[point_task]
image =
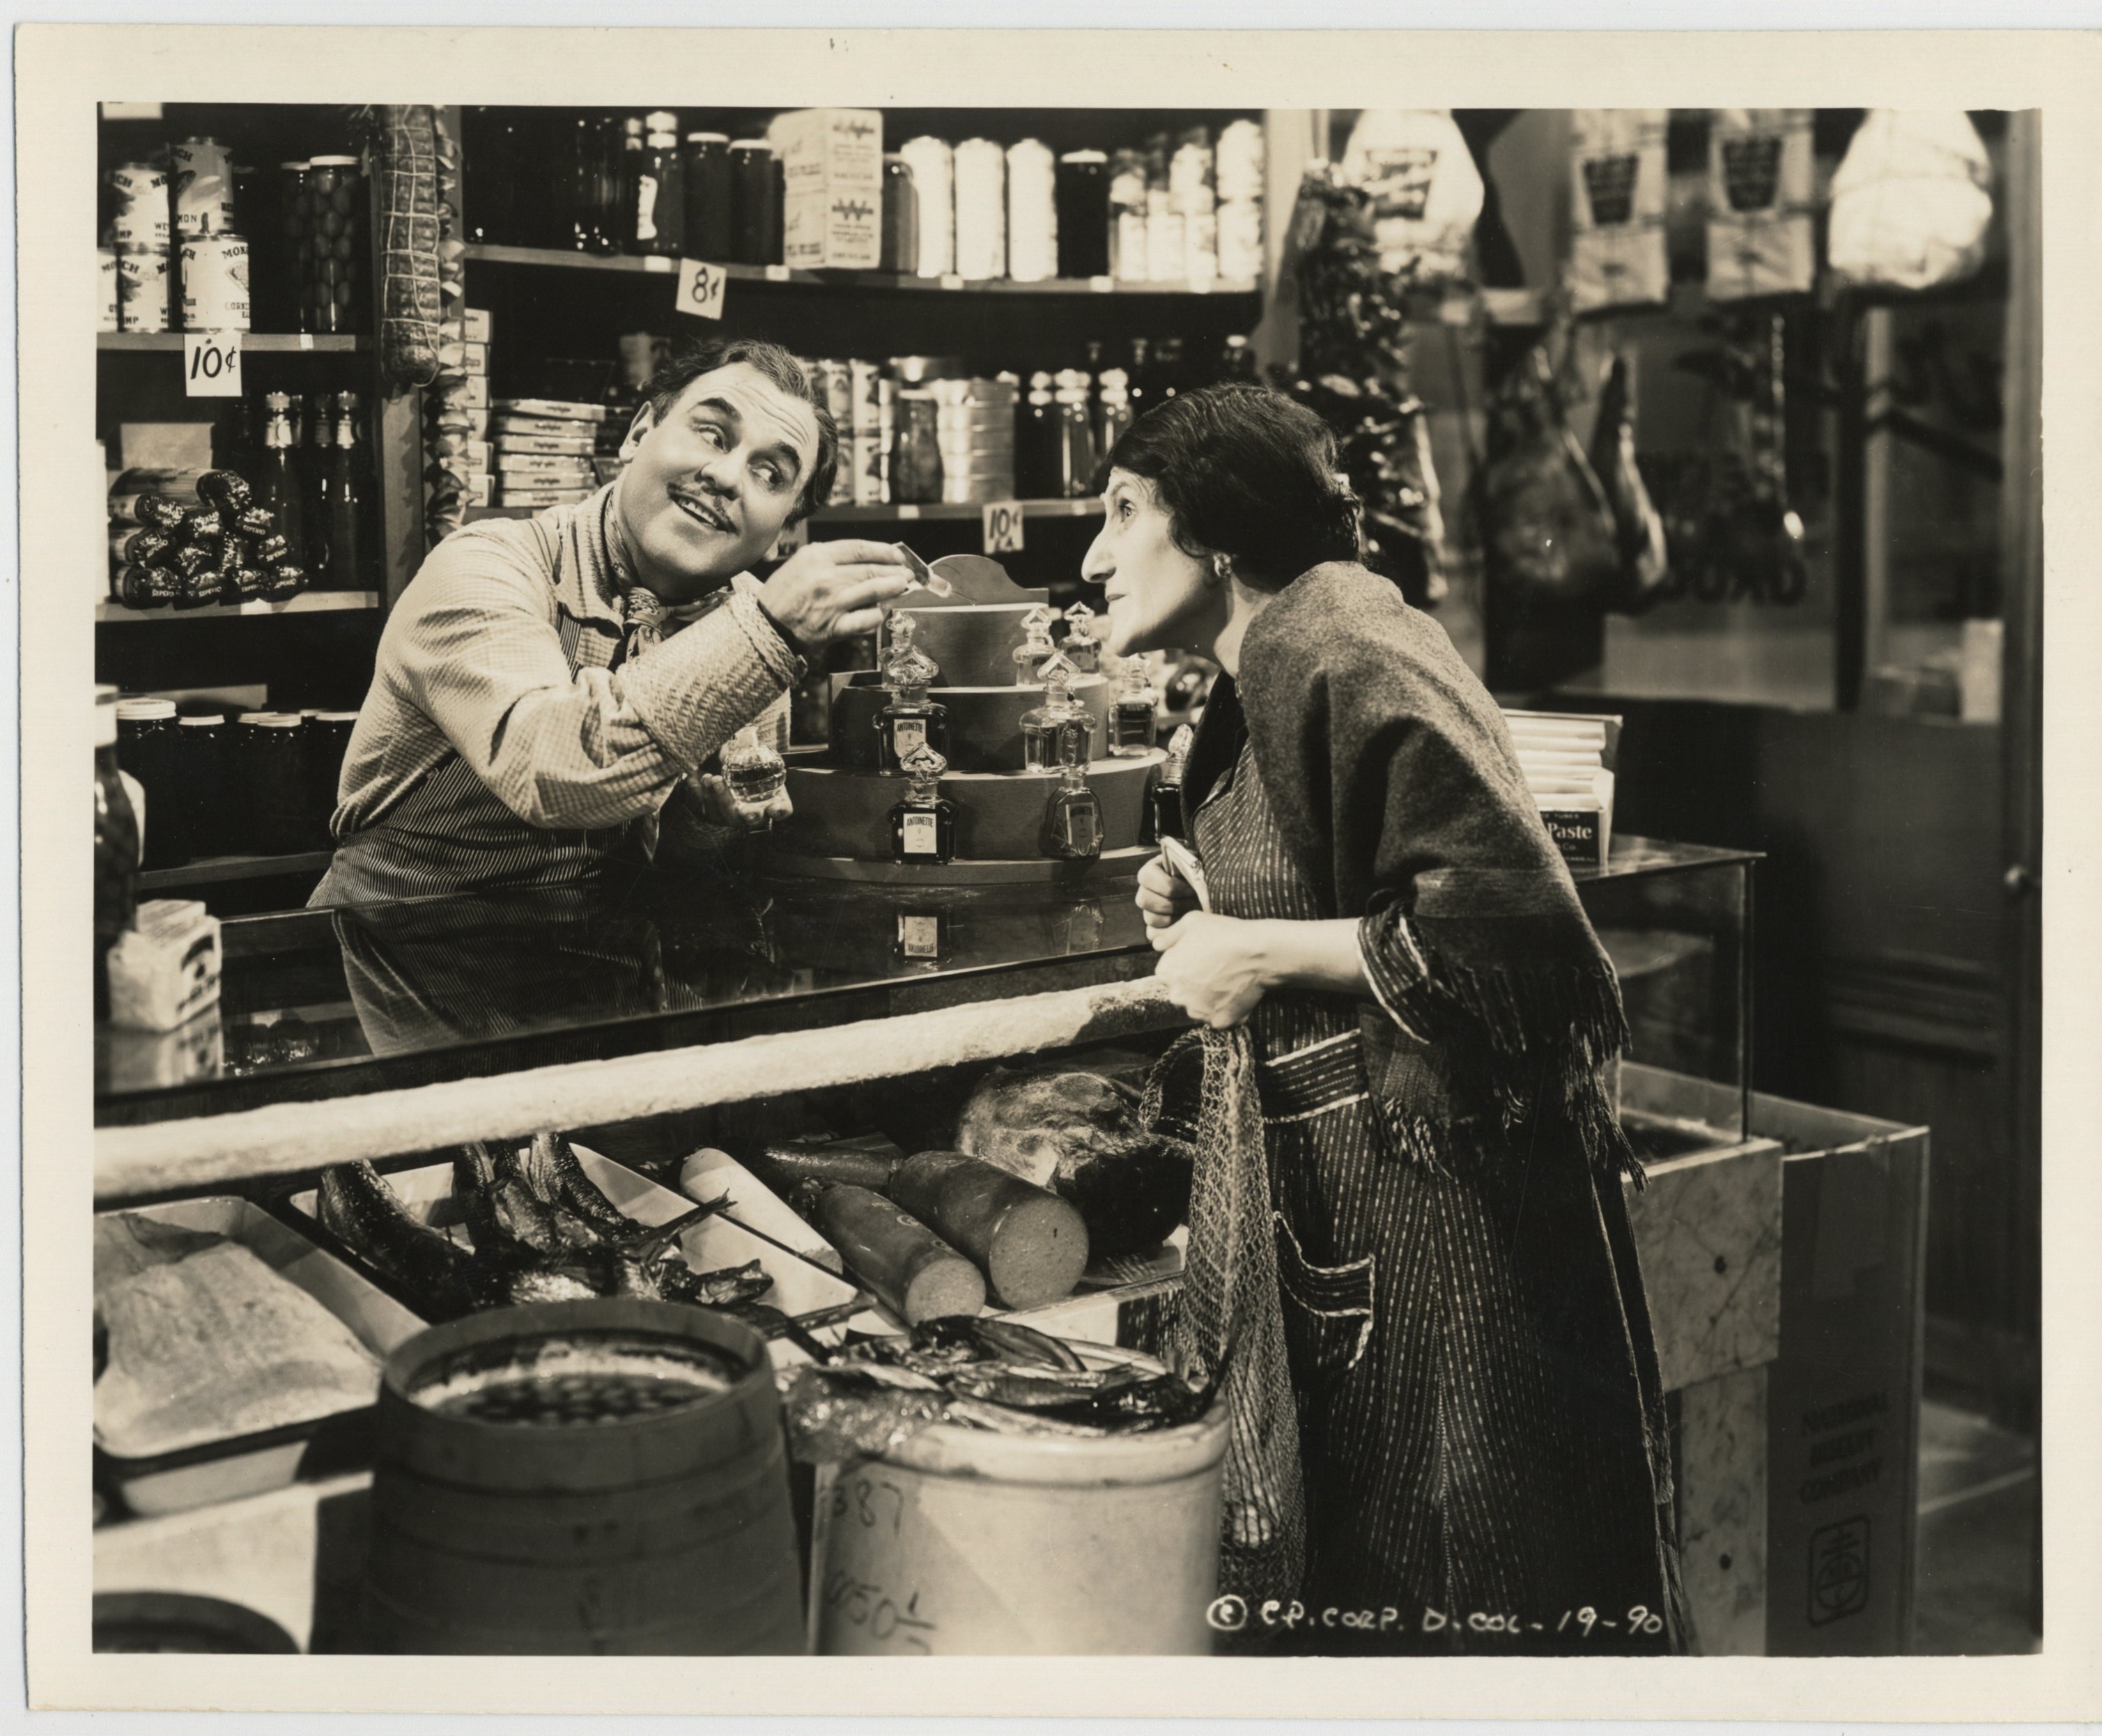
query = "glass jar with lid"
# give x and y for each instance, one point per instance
(201, 803)
(116, 847)
(334, 255)
(328, 740)
(270, 782)
(146, 732)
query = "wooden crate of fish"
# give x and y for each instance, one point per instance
(519, 1221)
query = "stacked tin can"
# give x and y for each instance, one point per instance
(874, 413)
(975, 424)
(1240, 176)
(173, 250)
(213, 259)
(140, 238)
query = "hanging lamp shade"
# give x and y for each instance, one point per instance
(1911, 201)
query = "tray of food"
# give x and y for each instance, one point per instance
(232, 1355)
(515, 1222)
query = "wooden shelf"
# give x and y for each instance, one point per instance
(557, 259)
(905, 513)
(252, 343)
(306, 602)
(900, 514)
(214, 870)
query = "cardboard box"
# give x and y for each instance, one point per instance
(1843, 1397)
(474, 394)
(477, 321)
(478, 493)
(829, 149)
(832, 172)
(478, 358)
(833, 229)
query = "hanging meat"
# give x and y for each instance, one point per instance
(1353, 374)
(1734, 536)
(1547, 525)
(1637, 526)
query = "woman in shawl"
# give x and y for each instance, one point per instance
(1423, 1188)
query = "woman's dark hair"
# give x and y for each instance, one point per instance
(783, 369)
(1244, 471)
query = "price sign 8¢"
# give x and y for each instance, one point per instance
(701, 288)
(211, 364)
(1002, 527)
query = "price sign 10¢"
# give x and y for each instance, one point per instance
(1002, 527)
(211, 364)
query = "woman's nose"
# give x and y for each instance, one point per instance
(1097, 567)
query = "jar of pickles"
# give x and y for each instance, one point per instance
(330, 236)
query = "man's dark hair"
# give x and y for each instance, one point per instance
(687, 365)
(1244, 471)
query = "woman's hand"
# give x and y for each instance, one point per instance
(1216, 967)
(1163, 894)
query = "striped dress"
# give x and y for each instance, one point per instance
(1474, 1460)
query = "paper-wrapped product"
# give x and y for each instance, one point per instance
(981, 209)
(1427, 192)
(932, 164)
(1761, 240)
(1617, 195)
(1032, 212)
(1911, 201)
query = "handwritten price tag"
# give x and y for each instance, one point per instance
(1002, 527)
(211, 364)
(701, 287)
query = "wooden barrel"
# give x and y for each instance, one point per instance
(666, 1531)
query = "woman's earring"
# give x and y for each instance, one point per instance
(1220, 571)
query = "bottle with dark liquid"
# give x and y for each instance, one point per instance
(911, 720)
(1168, 787)
(278, 486)
(317, 483)
(923, 935)
(1073, 817)
(659, 188)
(923, 826)
(343, 527)
(1134, 714)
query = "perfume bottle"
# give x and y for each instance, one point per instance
(910, 720)
(1082, 650)
(1073, 817)
(923, 826)
(1168, 787)
(1134, 719)
(1030, 655)
(754, 772)
(1059, 731)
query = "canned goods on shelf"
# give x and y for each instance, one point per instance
(142, 291)
(106, 292)
(201, 176)
(214, 286)
(141, 220)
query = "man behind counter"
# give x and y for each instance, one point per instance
(547, 690)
